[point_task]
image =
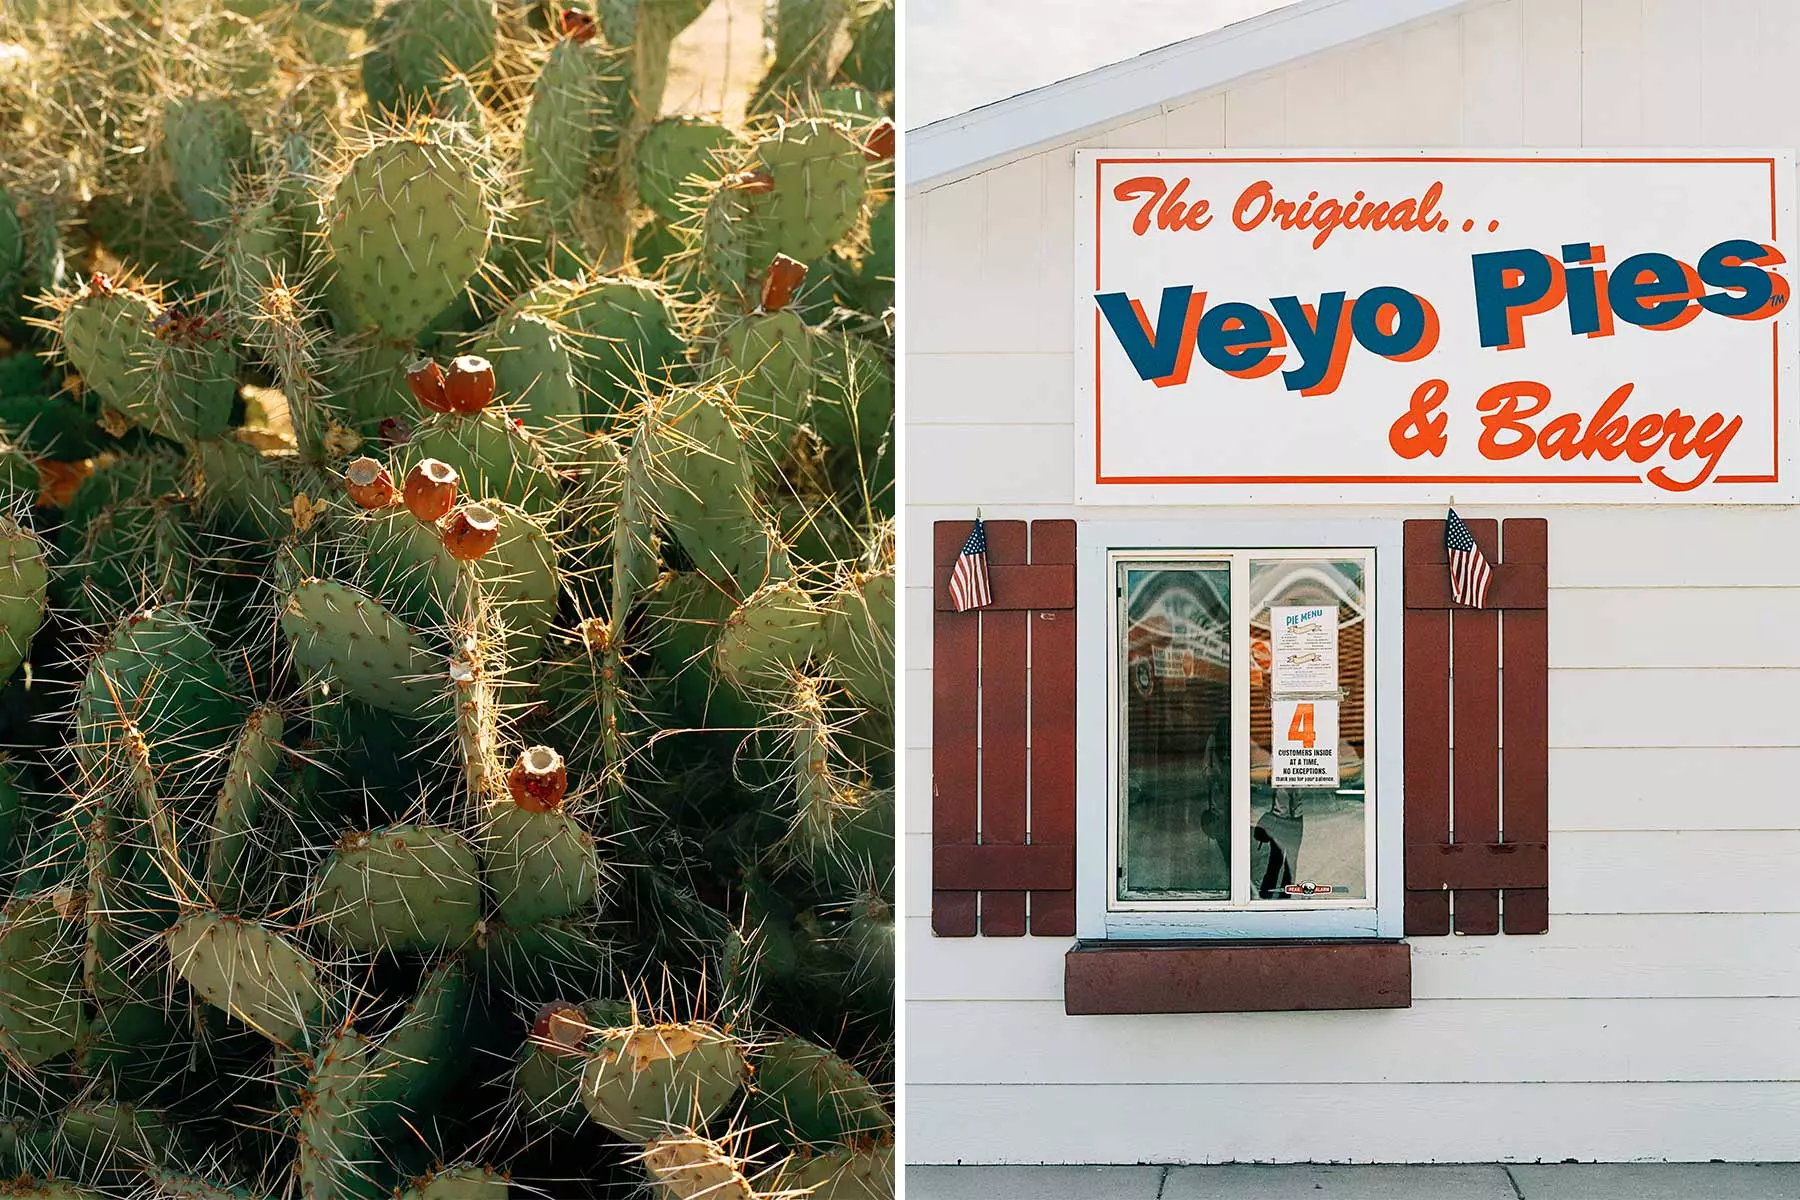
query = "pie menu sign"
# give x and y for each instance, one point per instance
(1522, 326)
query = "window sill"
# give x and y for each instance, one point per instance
(1109, 977)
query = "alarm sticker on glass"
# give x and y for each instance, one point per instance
(1303, 648)
(1305, 750)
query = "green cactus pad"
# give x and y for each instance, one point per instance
(336, 1127)
(40, 978)
(821, 182)
(853, 393)
(109, 1136)
(810, 1096)
(423, 1052)
(420, 44)
(205, 141)
(459, 1183)
(538, 865)
(404, 887)
(180, 389)
(859, 636)
(579, 103)
(12, 251)
(251, 972)
(140, 552)
(24, 589)
(691, 1166)
(870, 62)
(725, 241)
(674, 154)
(645, 1080)
(407, 228)
(771, 634)
(242, 490)
(700, 480)
(766, 358)
(347, 636)
(617, 328)
(843, 1173)
(534, 375)
(158, 674)
(547, 1077)
(494, 459)
(230, 873)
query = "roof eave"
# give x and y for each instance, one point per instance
(957, 146)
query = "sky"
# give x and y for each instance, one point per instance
(964, 53)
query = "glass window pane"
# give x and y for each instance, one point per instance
(1175, 688)
(1308, 812)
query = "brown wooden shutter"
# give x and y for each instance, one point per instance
(1477, 736)
(1003, 736)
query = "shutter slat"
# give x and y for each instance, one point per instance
(955, 712)
(1426, 745)
(1475, 738)
(1004, 645)
(1053, 728)
(1525, 723)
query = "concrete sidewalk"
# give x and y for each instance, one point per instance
(1473, 1181)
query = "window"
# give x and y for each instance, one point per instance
(1241, 717)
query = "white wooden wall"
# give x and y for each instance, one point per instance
(1660, 1018)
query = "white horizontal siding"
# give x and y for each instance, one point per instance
(1660, 1017)
(1366, 1122)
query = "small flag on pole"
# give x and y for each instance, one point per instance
(969, 582)
(1469, 570)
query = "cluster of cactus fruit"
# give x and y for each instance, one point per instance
(446, 603)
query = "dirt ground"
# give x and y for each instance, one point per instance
(728, 35)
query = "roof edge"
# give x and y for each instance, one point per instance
(954, 147)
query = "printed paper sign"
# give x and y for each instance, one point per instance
(1305, 753)
(1580, 326)
(1303, 649)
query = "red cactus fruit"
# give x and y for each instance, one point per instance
(469, 387)
(879, 145)
(538, 780)
(431, 490)
(369, 483)
(426, 379)
(472, 532)
(560, 1025)
(782, 279)
(577, 25)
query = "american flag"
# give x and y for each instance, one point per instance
(969, 582)
(1469, 570)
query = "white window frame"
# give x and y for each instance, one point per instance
(1098, 915)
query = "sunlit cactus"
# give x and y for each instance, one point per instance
(446, 601)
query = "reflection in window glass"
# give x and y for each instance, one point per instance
(1307, 834)
(1175, 684)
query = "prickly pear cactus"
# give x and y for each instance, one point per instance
(446, 603)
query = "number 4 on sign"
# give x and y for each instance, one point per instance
(1302, 728)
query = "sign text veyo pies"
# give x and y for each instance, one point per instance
(1303, 326)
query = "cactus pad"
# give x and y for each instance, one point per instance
(251, 972)
(24, 586)
(538, 865)
(642, 1080)
(405, 887)
(177, 388)
(408, 226)
(347, 636)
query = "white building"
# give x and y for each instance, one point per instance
(1658, 1015)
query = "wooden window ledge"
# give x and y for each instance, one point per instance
(1101, 977)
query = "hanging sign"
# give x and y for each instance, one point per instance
(1293, 326)
(1305, 749)
(1303, 649)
